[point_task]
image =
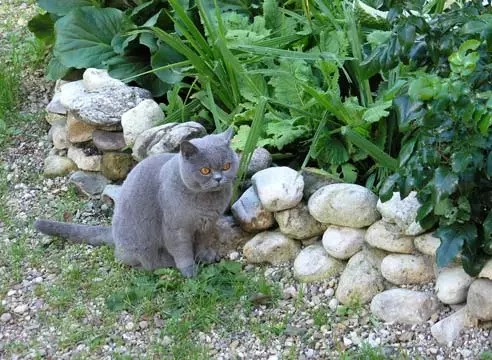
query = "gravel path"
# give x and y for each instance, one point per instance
(62, 301)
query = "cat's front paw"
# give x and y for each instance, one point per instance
(189, 271)
(207, 256)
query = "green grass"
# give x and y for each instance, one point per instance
(368, 352)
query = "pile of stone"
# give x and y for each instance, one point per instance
(378, 249)
(101, 127)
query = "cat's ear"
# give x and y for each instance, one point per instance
(187, 149)
(227, 135)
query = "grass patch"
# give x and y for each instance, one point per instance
(368, 352)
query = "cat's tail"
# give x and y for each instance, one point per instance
(87, 234)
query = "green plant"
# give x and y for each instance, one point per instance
(446, 149)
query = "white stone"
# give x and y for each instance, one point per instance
(313, 263)
(386, 236)
(83, 161)
(479, 299)
(345, 205)
(279, 188)
(343, 242)
(71, 91)
(452, 285)
(402, 212)
(486, 271)
(94, 79)
(427, 244)
(250, 214)
(298, 223)
(139, 119)
(402, 269)
(361, 279)
(21, 309)
(55, 106)
(333, 304)
(260, 160)
(270, 247)
(448, 329)
(404, 306)
(129, 326)
(5, 317)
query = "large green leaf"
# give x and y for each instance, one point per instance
(63, 7)
(56, 70)
(166, 55)
(43, 27)
(445, 183)
(452, 239)
(83, 37)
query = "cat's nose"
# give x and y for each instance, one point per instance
(217, 177)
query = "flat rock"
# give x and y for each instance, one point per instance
(479, 300)
(55, 106)
(449, 328)
(404, 306)
(260, 160)
(427, 244)
(343, 242)
(83, 160)
(101, 107)
(108, 140)
(361, 280)
(52, 118)
(165, 138)
(116, 165)
(344, 205)
(486, 272)
(452, 285)
(402, 212)
(89, 183)
(270, 247)
(142, 117)
(250, 214)
(78, 130)
(298, 223)
(313, 263)
(402, 269)
(386, 236)
(94, 79)
(279, 188)
(111, 193)
(55, 166)
(314, 179)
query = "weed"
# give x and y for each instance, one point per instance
(320, 316)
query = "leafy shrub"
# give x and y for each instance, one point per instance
(444, 114)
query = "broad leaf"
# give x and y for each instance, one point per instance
(83, 37)
(452, 239)
(43, 27)
(445, 183)
(376, 112)
(166, 55)
(386, 191)
(56, 70)
(63, 7)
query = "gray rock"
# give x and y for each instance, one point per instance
(343, 242)
(55, 106)
(111, 193)
(89, 183)
(404, 306)
(479, 300)
(260, 160)
(402, 213)
(59, 135)
(5, 317)
(21, 309)
(452, 285)
(279, 188)
(449, 328)
(401, 269)
(361, 280)
(270, 247)
(52, 118)
(165, 138)
(315, 179)
(250, 214)
(139, 119)
(116, 165)
(84, 161)
(386, 236)
(102, 107)
(427, 244)
(486, 272)
(313, 263)
(94, 79)
(108, 140)
(55, 166)
(298, 223)
(345, 205)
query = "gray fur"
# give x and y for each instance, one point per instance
(167, 211)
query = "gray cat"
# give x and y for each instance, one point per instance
(168, 208)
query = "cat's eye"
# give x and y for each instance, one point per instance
(205, 171)
(226, 166)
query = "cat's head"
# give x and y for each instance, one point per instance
(208, 163)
